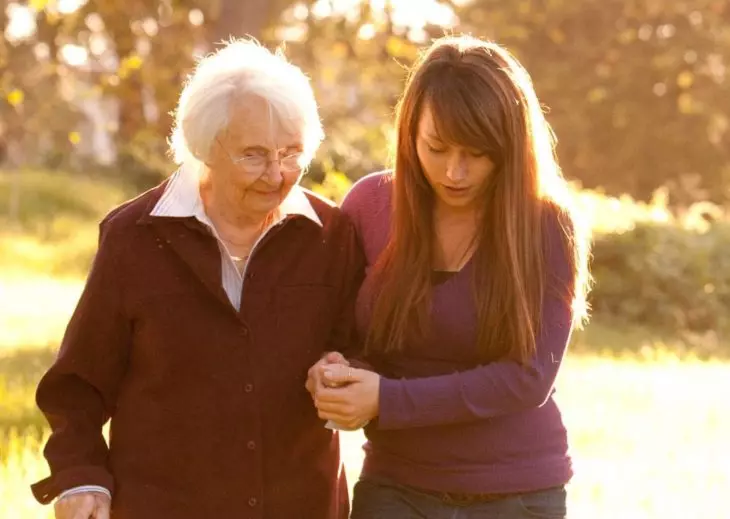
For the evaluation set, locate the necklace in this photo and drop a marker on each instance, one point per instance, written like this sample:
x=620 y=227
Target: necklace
x=463 y=249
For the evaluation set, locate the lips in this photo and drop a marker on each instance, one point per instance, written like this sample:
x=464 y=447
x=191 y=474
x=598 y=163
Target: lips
x=456 y=190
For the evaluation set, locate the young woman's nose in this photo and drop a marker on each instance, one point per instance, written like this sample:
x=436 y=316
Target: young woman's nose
x=456 y=169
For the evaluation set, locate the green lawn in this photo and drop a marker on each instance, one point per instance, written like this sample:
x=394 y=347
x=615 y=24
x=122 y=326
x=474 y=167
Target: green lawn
x=649 y=439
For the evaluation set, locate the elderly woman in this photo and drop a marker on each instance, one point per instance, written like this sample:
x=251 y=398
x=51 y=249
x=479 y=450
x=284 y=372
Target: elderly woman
x=209 y=298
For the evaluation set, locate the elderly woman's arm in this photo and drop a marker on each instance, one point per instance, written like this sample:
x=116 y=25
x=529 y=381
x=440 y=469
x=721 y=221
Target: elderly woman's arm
x=78 y=393
x=344 y=337
x=344 y=346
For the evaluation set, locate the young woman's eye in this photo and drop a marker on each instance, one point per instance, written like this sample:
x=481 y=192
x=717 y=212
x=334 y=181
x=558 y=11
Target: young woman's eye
x=477 y=154
x=435 y=150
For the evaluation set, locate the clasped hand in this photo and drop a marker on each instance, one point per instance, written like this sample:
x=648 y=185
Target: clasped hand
x=343 y=394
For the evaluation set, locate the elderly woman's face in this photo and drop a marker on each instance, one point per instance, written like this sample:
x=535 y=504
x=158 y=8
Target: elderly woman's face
x=244 y=166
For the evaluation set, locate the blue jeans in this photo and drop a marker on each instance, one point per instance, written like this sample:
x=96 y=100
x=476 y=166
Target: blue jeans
x=375 y=499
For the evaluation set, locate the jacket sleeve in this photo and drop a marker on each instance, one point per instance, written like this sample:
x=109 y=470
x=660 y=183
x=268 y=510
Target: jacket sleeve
x=77 y=394
x=344 y=337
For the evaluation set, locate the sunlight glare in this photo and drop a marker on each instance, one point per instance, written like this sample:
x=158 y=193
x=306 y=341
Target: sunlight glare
x=94 y=22
x=321 y=9
x=69 y=6
x=41 y=51
x=21 y=22
x=366 y=32
x=97 y=44
x=196 y=17
x=300 y=12
x=291 y=32
x=74 y=55
x=409 y=14
x=416 y=15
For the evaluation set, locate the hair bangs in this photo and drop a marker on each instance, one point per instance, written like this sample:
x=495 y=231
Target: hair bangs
x=466 y=113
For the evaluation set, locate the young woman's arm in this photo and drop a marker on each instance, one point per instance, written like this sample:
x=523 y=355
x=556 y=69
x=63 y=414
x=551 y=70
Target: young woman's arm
x=494 y=389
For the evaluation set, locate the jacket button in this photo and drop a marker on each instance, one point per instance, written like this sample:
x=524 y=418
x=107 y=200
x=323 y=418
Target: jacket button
x=244 y=331
x=248 y=388
x=251 y=445
x=252 y=501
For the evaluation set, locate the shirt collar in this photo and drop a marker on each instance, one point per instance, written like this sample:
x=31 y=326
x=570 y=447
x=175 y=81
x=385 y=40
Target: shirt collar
x=181 y=199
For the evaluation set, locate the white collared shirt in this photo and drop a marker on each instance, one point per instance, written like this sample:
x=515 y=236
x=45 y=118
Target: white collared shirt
x=182 y=199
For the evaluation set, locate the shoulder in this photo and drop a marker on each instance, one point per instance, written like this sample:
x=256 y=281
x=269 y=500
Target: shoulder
x=368 y=205
x=369 y=198
x=127 y=215
x=370 y=189
x=566 y=242
x=332 y=217
x=323 y=206
x=557 y=220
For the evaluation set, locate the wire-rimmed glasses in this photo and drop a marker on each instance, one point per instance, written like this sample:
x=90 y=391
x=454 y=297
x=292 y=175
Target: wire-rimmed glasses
x=258 y=164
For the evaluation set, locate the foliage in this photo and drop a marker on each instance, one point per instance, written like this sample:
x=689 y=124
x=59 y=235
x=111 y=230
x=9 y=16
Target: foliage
x=668 y=277
x=625 y=83
x=663 y=267
x=636 y=90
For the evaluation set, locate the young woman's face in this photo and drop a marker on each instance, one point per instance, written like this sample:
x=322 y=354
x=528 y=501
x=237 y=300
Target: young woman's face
x=458 y=175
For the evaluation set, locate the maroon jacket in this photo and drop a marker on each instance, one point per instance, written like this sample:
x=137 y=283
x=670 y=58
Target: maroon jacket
x=209 y=414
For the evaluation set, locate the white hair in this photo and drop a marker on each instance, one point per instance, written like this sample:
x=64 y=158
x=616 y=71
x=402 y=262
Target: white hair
x=242 y=66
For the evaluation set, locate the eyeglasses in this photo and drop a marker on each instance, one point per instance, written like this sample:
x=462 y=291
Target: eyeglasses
x=255 y=164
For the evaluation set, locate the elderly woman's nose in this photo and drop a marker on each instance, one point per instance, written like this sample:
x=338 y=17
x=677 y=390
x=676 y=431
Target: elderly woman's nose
x=273 y=172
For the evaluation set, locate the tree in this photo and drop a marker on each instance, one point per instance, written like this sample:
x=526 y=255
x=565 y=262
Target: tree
x=636 y=90
x=236 y=18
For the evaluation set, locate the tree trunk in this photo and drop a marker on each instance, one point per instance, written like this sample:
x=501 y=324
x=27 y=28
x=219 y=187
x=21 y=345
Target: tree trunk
x=129 y=92
x=239 y=18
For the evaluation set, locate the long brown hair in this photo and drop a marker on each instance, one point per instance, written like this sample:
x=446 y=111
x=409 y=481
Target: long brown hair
x=481 y=98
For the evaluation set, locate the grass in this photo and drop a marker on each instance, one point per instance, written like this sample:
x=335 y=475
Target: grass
x=54 y=232
x=649 y=438
x=648 y=427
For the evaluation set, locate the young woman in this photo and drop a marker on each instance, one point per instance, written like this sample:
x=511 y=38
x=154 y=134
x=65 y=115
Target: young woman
x=477 y=274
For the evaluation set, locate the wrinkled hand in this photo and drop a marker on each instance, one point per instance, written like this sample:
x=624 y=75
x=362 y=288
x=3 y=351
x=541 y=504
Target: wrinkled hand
x=314 y=375
x=84 y=505
x=356 y=399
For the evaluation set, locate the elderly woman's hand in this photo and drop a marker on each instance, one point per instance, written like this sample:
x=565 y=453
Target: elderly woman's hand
x=354 y=402
x=83 y=505
x=314 y=375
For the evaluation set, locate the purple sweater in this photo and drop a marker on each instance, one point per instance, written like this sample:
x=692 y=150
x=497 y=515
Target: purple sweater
x=447 y=421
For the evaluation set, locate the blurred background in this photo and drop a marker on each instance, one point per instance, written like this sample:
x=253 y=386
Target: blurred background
x=637 y=91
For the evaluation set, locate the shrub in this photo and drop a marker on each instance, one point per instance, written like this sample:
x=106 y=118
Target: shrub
x=664 y=275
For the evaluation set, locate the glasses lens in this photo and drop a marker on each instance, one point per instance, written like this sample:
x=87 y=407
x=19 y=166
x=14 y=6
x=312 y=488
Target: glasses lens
x=253 y=165
x=291 y=163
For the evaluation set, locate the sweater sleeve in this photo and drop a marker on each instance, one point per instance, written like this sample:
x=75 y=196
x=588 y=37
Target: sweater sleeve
x=495 y=389
x=364 y=205
x=77 y=394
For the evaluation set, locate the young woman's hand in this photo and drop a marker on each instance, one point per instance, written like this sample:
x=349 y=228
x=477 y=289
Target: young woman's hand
x=355 y=400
